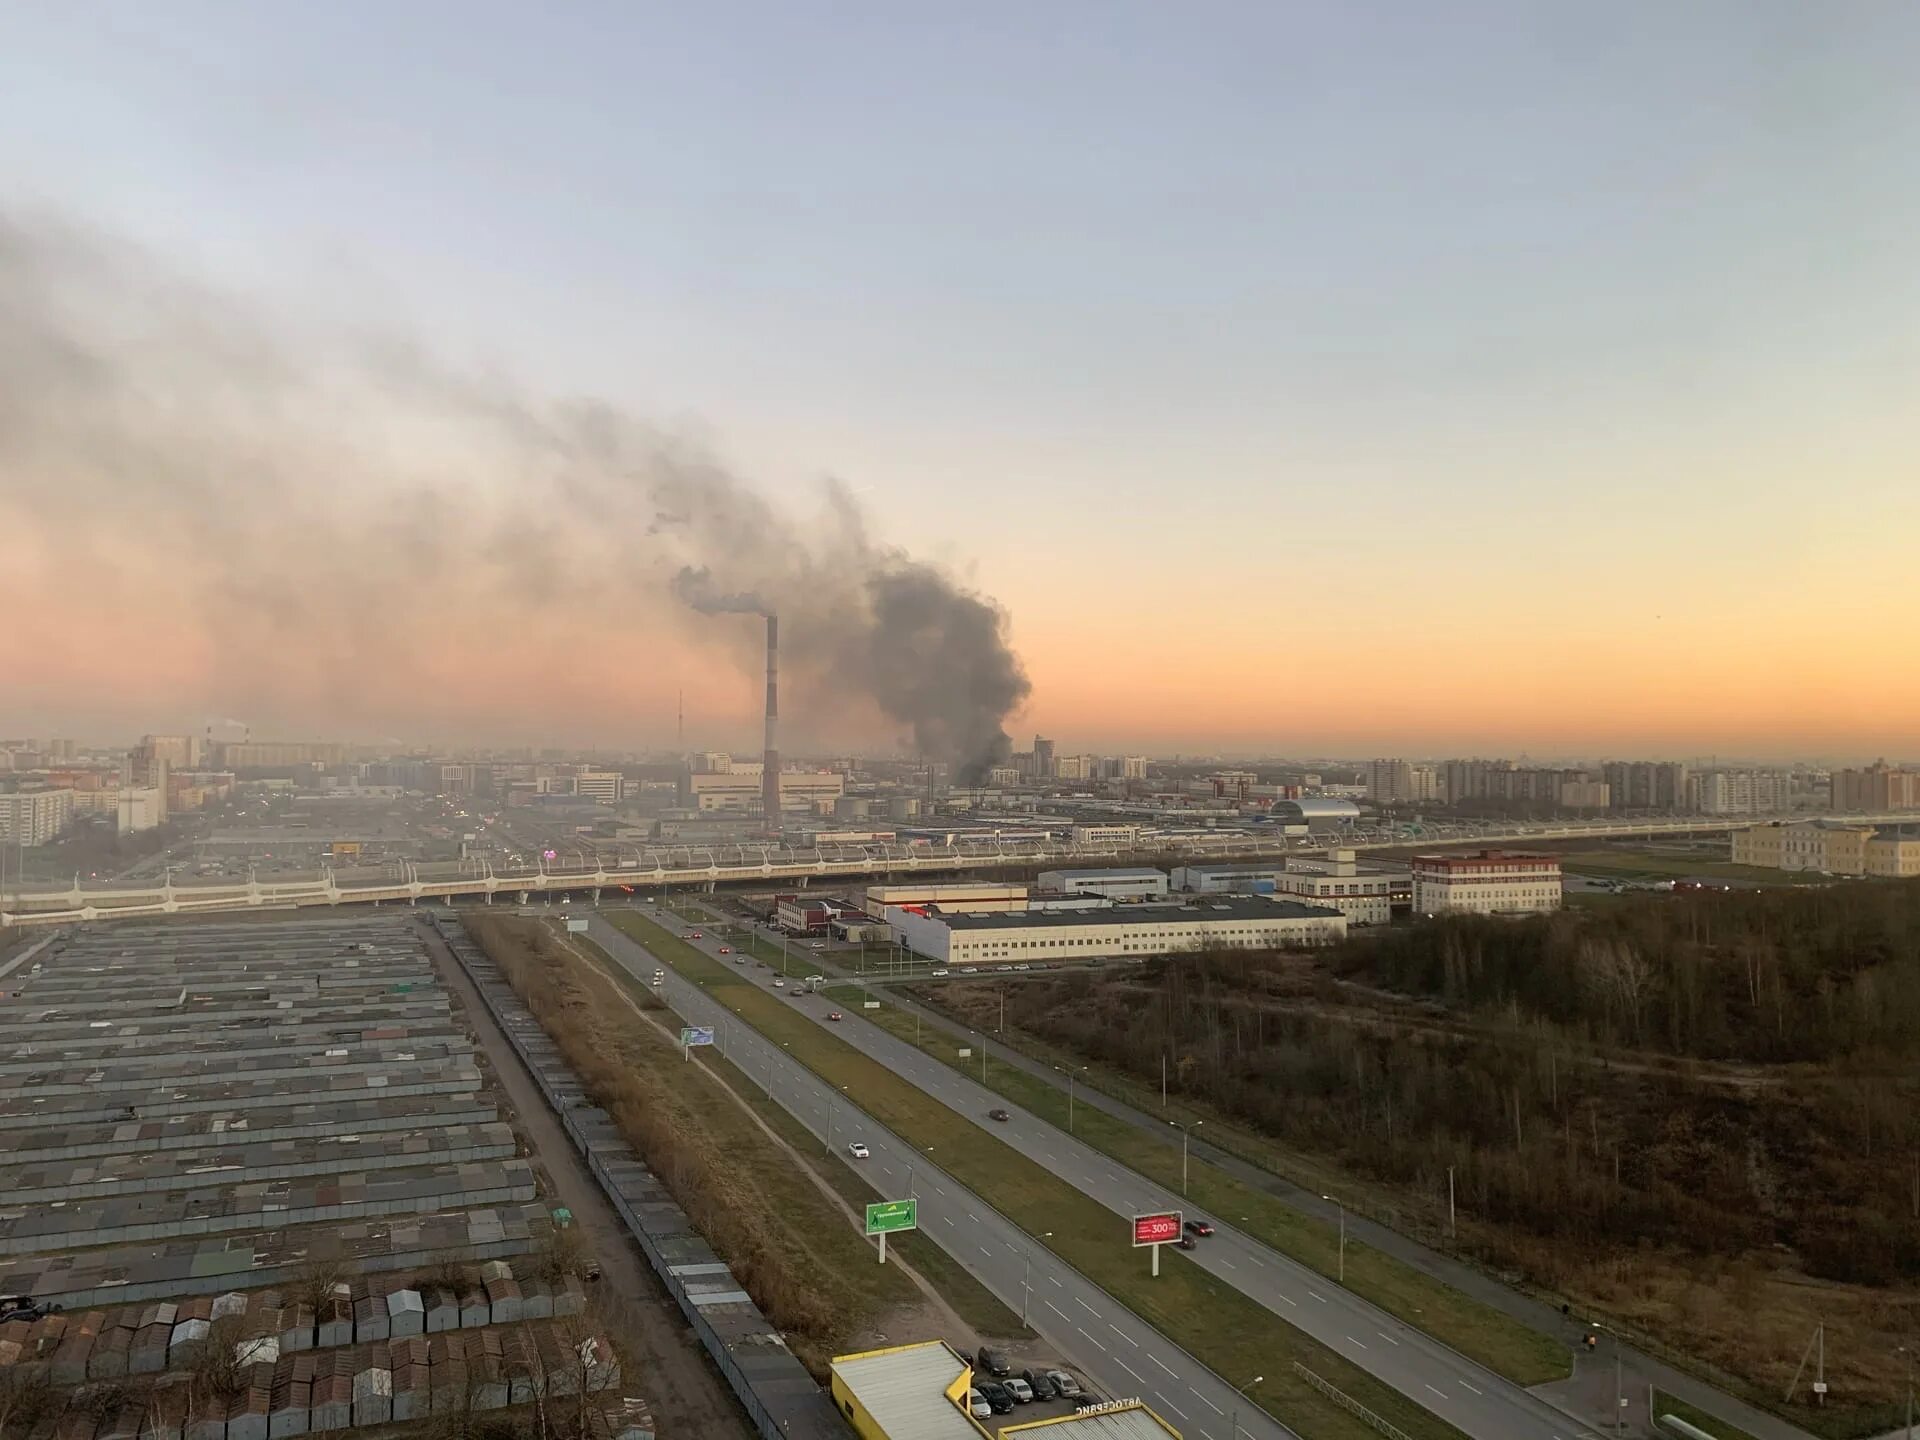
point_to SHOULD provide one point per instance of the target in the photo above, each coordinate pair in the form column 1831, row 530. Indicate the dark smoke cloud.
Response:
column 323, row 510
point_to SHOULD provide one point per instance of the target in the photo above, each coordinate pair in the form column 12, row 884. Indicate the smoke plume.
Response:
column 305, row 521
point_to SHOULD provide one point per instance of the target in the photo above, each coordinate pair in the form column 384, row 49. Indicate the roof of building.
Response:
column 905, row 1388
column 1487, row 857
column 1128, row 1420
column 1206, row 912
column 1122, row 872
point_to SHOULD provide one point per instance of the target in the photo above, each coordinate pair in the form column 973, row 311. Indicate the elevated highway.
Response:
column 705, row 867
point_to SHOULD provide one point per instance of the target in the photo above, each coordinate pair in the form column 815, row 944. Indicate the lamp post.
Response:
column 1233, row 1428
column 1026, row 1276
column 1068, row 1071
column 1186, row 1133
column 910, row 1167
column 1343, row 1236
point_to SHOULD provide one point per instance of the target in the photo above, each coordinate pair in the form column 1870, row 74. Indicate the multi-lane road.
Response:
column 1424, row 1369
column 1119, row 1353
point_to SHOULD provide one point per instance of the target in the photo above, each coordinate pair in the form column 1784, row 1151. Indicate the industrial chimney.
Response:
column 770, row 762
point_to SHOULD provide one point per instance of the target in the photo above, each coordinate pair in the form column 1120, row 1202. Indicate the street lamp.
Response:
column 910, row 1166
column 1186, row 1133
column 1068, row 1071
column 1026, row 1275
column 1343, row 1236
column 1233, row 1429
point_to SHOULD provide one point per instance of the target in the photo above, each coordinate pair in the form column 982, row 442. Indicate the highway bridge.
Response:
column 705, row 867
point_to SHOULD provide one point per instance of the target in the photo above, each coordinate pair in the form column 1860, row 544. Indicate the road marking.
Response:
column 1386, row 1337
column 1086, row 1307
column 1476, row 1390
column 1161, row 1363
column 1103, row 1349
column 1441, row 1393
column 973, row 1217
column 1291, row 1301
column 1128, row 1368
column 945, row 1221
column 1058, row 1311
column 1209, row 1404
column 985, row 1251
column 1173, row 1407
column 1321, row 1298
column 1258, row 1261
column 938, row 1191
column 1124, row 1336
column 1229, row 1264
column 1363, row 1345
column 1056, row 1282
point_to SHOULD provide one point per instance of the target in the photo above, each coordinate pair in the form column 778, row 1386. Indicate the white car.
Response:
column 980, row 1409
column 1019, row 1389
column 778, row 983
column 857, row 1150
column 938, row 974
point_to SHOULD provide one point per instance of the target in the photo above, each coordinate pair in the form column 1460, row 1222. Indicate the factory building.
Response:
column 1365, row 894
column 1123, row 932
column 1313, row 814
column 738, row 789
column 1135, row 883
column 953, row 899
column 1491, row 882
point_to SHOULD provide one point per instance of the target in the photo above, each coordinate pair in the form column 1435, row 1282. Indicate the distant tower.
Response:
column 680, row 725
column 770, row 761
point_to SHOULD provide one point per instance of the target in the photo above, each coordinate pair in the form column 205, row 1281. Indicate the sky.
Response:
column 1491, row 378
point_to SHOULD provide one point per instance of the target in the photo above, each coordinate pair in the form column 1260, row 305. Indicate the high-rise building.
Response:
column 34, row 817
column 1742, row 792
column 1133, row 767
column 603, row 787
column 1875, row 790
column 1043, row 759
column 1067, row 767
column 1646, row 785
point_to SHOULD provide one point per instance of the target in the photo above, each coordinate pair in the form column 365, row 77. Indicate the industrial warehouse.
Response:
column 1130, row 932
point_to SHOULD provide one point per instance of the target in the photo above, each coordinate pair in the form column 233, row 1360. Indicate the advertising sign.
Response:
column 692, row 1035
column 887, row 1216
column 1161, row 1229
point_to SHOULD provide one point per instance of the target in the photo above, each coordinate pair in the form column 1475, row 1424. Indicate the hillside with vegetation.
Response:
column 1700, row 1115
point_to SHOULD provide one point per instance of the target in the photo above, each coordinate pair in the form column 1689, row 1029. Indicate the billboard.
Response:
column 890, row 1215
column 1161, row 1229
column 692, row 1035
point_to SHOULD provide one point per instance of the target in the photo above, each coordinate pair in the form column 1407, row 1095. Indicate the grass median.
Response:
column 1500, row 1342
column 1225, row 1330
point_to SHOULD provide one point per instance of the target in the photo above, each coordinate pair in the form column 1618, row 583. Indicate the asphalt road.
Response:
column 1119, row 1354
column 1427, row 1371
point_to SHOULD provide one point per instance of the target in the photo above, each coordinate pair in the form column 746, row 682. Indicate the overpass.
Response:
column 704, row 867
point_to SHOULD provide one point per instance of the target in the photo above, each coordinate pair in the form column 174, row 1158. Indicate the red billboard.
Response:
column 1161, row 1229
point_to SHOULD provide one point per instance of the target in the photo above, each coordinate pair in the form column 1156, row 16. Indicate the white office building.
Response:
column 1492, row 882
column 1132, row 932
column 1135, row 883
column 603, row 787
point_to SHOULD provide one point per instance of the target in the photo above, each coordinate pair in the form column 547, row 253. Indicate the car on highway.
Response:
column 1041, row 1384
column 1000, row 1115
column 997, row 1396
column 1068, row 1387
column 833, row 1014
column 689, row 935
column 994, row 1362
column 818, row 945
column 1186, row 1242
column 778, row 983
column 1199, row 1227
column 1021, row 1391
column 858, row 1150
column 726, row 949
column 977, row 1406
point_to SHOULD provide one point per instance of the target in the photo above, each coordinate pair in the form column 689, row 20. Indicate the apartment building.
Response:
column 34, row 817
column 1742, row 792
column 1876, row 790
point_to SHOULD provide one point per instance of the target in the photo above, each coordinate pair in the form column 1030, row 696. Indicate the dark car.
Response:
column 1041, row 1383
column 1186, row 1242
column 24, row 1307
column 996, row 1395
column 998, row 1115
column 994, row 1362
column 1199, row 1227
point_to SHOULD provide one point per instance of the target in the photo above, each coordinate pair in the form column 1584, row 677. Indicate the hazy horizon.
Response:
column 1241, row 381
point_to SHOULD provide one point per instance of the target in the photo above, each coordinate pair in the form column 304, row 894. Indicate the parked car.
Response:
column 1001, row 1115
column 1002, row 967
column 24, row 1307
column 994, row 1362
column 997, row 1396
column 938, row 974
column 1041, row 1384
column 591, row 1270
column 977, row 1406
column 833, row 1014
column 1021, row 1391
column 1199, row 1227
column 1065, row 1384
column 1023, row 966
column 857, row 1150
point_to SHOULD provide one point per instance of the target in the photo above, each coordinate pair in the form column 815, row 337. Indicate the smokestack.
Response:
column 770, row 762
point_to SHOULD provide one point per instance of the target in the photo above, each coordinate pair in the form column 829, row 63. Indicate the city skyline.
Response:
column 1295, row 382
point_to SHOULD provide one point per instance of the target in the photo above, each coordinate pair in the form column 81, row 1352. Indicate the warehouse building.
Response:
column 1365, row 894
column 952, row 899
column 1131, row 932
column 1138, row 882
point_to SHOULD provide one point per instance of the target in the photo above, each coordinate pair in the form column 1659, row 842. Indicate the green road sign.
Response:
column 890, row 1215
